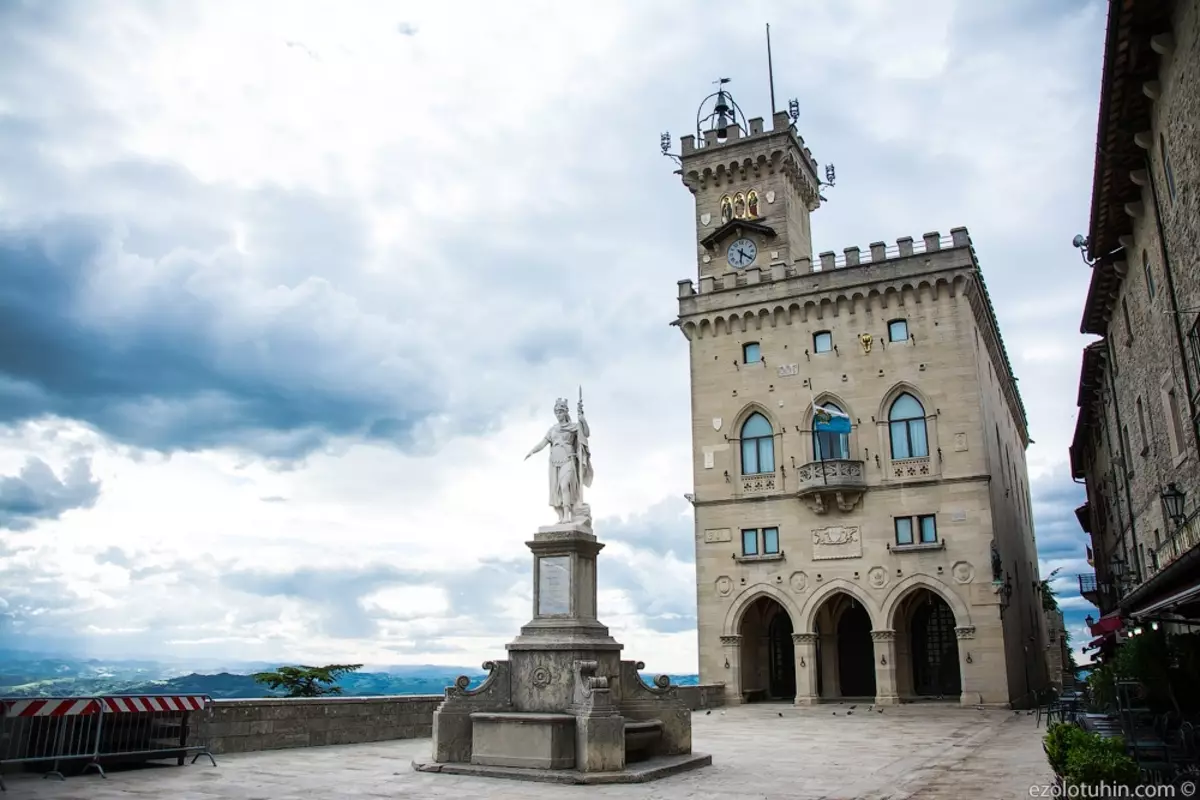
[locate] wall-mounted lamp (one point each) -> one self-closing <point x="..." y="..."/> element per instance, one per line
<point x="1172" y="499"/>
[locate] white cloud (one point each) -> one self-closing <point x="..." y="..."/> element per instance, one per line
<point x="380" y="252"/>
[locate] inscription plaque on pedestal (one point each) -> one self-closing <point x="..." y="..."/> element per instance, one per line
<point x="554" y="585"/>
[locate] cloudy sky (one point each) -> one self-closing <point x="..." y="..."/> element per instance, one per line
<point x="287" y="290"/>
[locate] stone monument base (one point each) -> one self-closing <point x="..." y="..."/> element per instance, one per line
<point x="651" y="769"/>
<point x="565" y="707"/>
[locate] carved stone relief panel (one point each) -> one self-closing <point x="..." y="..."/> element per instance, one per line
<point x="877" y="577"/>
<point x="724" y="586"/>
<point x="963" y="572"/>
<point x="798" y="582"/>
<point x="837" y="541"/>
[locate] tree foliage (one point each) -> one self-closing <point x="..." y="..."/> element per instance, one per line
<point x="304" y="681"/>
<point x="1049" y="598"/>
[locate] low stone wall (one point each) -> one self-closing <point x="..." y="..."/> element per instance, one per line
<point x="706" y="695"/>
<point x="241" y="726"/>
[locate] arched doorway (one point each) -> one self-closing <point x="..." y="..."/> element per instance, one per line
<point x="845" y="653"/>
<point x="768" y="668"/>
<point x="925" y="626"/>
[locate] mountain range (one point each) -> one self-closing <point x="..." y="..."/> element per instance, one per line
<point x="28" y="674"/>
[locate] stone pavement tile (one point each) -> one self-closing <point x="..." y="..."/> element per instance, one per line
<point x="760" y="752"/>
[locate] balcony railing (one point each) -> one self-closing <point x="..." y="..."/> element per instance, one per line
<point x="830" y="475"/>
<point x="1186" y="537"/>
<point x="759" y="483"/>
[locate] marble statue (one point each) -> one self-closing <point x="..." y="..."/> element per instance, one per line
<point x="570" y="463"/>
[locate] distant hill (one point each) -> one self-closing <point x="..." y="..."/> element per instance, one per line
<point x="34" y="675"/>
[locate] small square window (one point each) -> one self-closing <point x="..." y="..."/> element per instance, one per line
<point x="751" y="353"/>
<point x="770" y="541"/>
<point x="928" y="525"/>
<point x="822" y="342"/>
<point x="898" y="330"/>
<point x="750" y="542"/>
<point x="904" y="531"/>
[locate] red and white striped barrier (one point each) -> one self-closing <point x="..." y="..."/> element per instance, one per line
<point x="130" y="704"/>
<point x="52" y="707"/>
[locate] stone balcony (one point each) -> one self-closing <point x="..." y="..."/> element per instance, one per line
<point x="824" y="484"/>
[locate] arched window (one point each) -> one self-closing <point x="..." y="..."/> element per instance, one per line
<point x="906" y="419"/>
<point x="758" y="446"/>
<point x="827" y="445"/>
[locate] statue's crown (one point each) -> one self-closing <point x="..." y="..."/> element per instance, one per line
<point x="561" y="402"/>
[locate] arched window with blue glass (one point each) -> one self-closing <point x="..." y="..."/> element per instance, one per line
<point x="831" y="432"/>
<point x="906" y="421"/>
<point x="758" y="445"/>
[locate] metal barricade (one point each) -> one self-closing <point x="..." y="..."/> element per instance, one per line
<point x="49" y="730"/>
<point x="113" y="728"/>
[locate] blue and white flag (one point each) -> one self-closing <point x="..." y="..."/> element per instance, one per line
<point x="830" y="420"/>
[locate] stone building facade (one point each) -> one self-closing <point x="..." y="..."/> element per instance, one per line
<point x="1137" y="435"/>
<point x="894" y="562"/>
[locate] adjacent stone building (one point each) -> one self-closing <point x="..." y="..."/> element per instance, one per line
<point x="1137" y="441"/>
<point x="890" y="563"/>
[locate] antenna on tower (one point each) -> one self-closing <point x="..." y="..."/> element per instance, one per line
<point x="770" y="69"/>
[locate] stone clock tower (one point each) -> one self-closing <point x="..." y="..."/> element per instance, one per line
<point x="754" y="190"/>
<point x="863" y="524"/>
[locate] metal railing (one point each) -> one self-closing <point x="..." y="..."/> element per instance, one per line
<point x="1185" y="537"/>
<point x="48" y="731"/>
<point x="1088" y="584"/>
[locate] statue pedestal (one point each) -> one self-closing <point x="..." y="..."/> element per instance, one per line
<point x="564" y="707"/>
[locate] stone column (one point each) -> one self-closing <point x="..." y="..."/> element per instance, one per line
<point x="966" y="658"/>
<point x="805" y="645"/>
<point x="732" y="645"/>
<point x="885" y="668"/>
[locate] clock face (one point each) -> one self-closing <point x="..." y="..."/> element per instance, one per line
<point x="742" y="253"/>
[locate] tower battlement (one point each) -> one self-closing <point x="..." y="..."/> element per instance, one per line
<point x="851" y="257"/>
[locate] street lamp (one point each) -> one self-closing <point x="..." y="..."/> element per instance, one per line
<point x="1172" y="499"/>
<point x="1090" y="620"/>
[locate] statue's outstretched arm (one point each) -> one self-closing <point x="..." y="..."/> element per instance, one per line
<point x="539" y="446"/>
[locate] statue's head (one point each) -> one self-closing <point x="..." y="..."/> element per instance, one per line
<point x="562" y="409"/>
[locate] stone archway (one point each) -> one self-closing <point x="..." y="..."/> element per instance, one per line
<point x="927" y="662"/>
<point x="768" y="666"/>
<point x="844" y="647"/>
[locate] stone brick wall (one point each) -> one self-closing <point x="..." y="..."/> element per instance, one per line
<point x="242" y="726"/>
<point x="239" y="726"/>
<point x="706" y="695"/>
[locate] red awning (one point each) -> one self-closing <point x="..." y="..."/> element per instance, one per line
<point x="1107" y="624"/>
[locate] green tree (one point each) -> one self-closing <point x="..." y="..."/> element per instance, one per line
<point x="305" y="681"/>
<point x="1049" y="598"/>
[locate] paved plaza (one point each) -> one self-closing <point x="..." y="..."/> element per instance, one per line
<point x="926" y="752"/>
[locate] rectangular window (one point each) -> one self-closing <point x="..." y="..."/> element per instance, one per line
<point x="928" y="525"/>
<point x="770" y="538"/>
<point x="1167" y="171"/>
<point x="1141" y="415"/>
<point x="750" y="542"/>
<point x="760" y="542"/>
<point x="751" y="353"/>
<point x="1174" y="430"/>
<point x="898" y="331"/>
<point x="1194" y="351"/>
<point x="822" y="342"/>
<point x="904" y="530"/>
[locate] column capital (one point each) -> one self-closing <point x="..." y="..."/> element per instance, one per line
<point x="731" y="641"/>
<point x="883" y="635"/>
<point x="965" y="632"/>
<point x="804" y="638"/>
